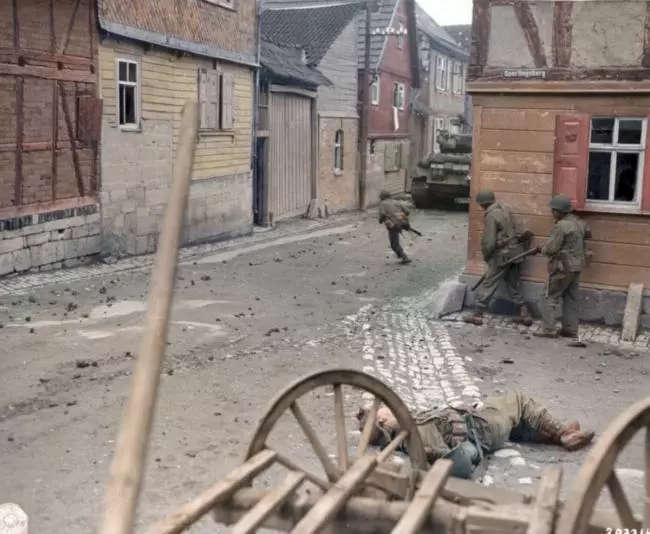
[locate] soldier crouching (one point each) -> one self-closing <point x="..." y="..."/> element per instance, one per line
<point x="394" y="215"/>
<point x="465" y="434"/>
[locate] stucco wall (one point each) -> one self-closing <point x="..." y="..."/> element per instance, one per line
<point x="605" y="34"/>
<point x="137" y="166"/>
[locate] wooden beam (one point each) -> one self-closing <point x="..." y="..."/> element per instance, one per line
<point x="47" y="73"/>
<point x="645" y="61"/>
<point x="542" y="520"/>
<point x="479" y="48"/>
<point x="562" y="34"/>
<point x="71" y="136"/>
<point x="191" y="512"/>
<point x="52" y="27"/>
<point x="557" y="87"/>
<point x="68" y="29"/>
<point x="524" y="14"/>
<point x="20" y="121"/>
<point x="27" y="55"/>
<point x="617" y="74"/>
<point x="16" y="24"/>
<point x="55" y="135"/>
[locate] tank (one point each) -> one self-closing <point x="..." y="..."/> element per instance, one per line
<point x="444" y="177"/>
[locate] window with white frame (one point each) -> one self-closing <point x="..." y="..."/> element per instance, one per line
<point x="616" y="155"/>
<point x="374" y="91"/>
<point x="438" y="126"/>
<point x="399" y="95"/>
<point x="441" y="73"/>
<point x="128" y="93"/>
<point x="400" y="37"/>
<point x="458" y="78"/>
<point x="338" y="151"/>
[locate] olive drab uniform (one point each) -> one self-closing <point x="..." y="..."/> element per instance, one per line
<point x="499" y="244"/>
<point x="394" y="214"/>
<point x="566" y="250"/>
<point x="512" y="416"/>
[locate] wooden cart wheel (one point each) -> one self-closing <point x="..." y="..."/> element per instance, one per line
<point x="598" y="472"/>
<point x="288" y="400"/>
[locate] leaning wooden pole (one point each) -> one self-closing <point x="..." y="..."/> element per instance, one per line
<point x="133" y="440"/>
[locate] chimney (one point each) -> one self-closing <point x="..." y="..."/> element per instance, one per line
<point x="303" y="56"/>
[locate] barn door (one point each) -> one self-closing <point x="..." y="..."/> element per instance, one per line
<point x="290" y="161"/>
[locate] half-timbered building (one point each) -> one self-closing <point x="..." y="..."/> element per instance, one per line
<point x="561" y="97"/>
<point x="49" y="131"/>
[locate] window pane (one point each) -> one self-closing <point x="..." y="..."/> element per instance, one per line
<point x="629" y="132"/>
<point x="133" y="77"/>
<point x="626" y="173"/>
<point x="127" y="104"/>
<point x="602" y="131"/>
<point x="122" y="71"/>
<point x="598" y="181"/>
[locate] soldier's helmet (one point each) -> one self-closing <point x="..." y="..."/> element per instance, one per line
<point x="561" y="203"/>
<point x="462" y="460"/>
<point x="485" y="196"/>
<point x="384" y="195"/>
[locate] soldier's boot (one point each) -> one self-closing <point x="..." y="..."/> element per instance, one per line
<point x="406" y="260"/>
<point x="476" y="318"/>
<point x="544" y="332"/>
<point x="569" y="437"/>
<point x="572" y="426"/>
<point x="563" y="332"/>
<point x="525" y="317"/>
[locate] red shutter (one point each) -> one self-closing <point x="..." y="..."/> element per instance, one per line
<point x="571" y="157"/>
<point x="645" y="191"/>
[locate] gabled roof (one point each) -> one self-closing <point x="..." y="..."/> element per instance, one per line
<point x="382" y="18"/>
<point x="462" y="34"/>
<point x="313" y="28"/>
<point x="438" y="35"/>
<point x="188" y="26"/>
<point x="285" y="65"/>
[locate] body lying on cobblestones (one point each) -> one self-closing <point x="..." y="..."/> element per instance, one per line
<point x="513" y="416"/>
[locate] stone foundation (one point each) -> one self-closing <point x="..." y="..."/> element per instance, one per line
<point x="597" y="306"/>
<point x="137" y="170"/>
<point x="48" y="240"/>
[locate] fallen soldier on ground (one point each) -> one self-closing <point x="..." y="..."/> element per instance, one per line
<point x="465" y="435"/>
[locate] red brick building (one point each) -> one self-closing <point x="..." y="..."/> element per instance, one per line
<point x="394" y="72"/>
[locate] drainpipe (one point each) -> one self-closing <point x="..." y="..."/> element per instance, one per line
<point x="256" y="90"/>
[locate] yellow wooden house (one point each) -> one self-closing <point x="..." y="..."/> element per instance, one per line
<point x="153" y="56"/>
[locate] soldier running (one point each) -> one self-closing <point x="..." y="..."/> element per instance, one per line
<point x="394" y="214"/>
<point x="465" y="435"/>
<point x="566" y="250"/>
<point x="500" y="243"/>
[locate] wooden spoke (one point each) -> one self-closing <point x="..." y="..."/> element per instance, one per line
<point x="292" y="466"/>
<point x="341" y="435"/>
<point x="542" y="520"/>
<point x="330" y="469"/>
<point x="646" y="503"/>
<point x="420" y="507"/>
<point x="268" y="505"/>
<point x="328" y="506"/>
<point x="368" y="428"/>
<point x="620" y="501"/>
<point x="392" y="446"/>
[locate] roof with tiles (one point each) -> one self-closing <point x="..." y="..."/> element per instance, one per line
<point x="187" y="25"/>
<point x="286" y="64"/>
<point x="462" y="34"/>
<point x="382" y="18"/>
<point x="312" y="28"/>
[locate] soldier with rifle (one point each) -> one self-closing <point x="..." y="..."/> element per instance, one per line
<point x="395" y="216"/>
<point x="503" y="249"/>
<point x="567" y="254"/>
<point x="465" y="435"/>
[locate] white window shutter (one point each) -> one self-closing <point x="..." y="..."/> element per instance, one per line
<point x="203" y="97"/>
<point x="213" y="99"/>
<point x="228" y="103"/>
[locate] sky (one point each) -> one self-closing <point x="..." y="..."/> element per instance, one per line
<point x="446" y="12"/>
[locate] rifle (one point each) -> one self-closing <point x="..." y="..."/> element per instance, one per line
<point x="407" y="226"/>
<point x="518" y="257"/>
